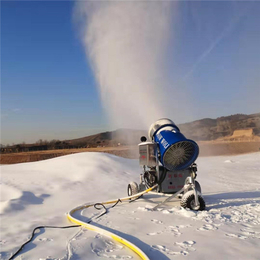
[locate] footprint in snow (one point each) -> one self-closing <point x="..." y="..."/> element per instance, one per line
<point x="184" y="252"/>
<point x="44" y="239"/>
<point x="165" y="211"/>
<point x="186" y="248"/>
<point x="154" y="233"/>
<point x="183" y="226"/>
<point x="229" y="161"/>
<point x="250" y="233"/>
<point x="173" y="230"/>
<point x="247" y="225"/>
<point x="121" y="257"/>
<point x="235" y="236"/>
<point x="164" y="249"/>
<point x="160" y="209"/>
<point x="156" y="221"/>
<point x="207" y="227"/>
<point x="187" y="245"/>
<point x="103" y="247"/>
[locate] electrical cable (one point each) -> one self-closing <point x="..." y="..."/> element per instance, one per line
<point x="162" y="176"/>
<point x="87" y="224"/>
<point x="31" y="238"/>
<point x="72" y="226"/>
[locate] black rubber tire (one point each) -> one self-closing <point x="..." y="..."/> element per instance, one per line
<point x="188" y="200"/>
<point x="132" y="188"/>
<point x="141" y="187"/>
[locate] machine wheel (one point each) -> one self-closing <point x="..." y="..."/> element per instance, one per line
<point x="188" y="201"/>
<point x="142" y="187"/>
<point x="132" y="188"/>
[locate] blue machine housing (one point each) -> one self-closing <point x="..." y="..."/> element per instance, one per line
<point x="176" y="152"/>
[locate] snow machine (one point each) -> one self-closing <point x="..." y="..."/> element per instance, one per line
<point x="168" y="162"/>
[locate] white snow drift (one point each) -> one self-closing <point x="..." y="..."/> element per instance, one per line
<point x="41" y="193"/>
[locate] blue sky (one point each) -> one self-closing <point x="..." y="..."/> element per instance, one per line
<point x="48" y="89"/>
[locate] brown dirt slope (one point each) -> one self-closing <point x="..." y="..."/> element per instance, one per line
<point x="241" y="135"/>
<point x="206" y="149"/>
<point x="245" y="132"/>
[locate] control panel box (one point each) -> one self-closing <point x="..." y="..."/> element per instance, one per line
<point x="148" y="154"/>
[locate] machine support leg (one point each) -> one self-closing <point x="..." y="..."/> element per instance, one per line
<point x="196" y="197"/>
<point x="168" y="199"/>
<point x="194" y="189"/>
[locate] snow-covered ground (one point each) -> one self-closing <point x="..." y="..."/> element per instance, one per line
<point x="40" y="193"/>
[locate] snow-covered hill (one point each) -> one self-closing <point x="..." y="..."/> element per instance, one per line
<point x="41" y="193"/>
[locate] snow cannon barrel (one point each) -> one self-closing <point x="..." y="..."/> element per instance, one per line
<point x="176" y="152"/>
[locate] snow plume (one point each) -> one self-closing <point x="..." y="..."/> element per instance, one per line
<point x="125" y="42"/>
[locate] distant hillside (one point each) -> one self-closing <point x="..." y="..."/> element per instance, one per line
<point x="200" y="130"/>
<point x="206" y="129"/>
<point x="212" y="129"/>
<point x="113" y="138"/>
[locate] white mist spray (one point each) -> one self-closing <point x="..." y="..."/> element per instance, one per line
<point x="125" y="43"/>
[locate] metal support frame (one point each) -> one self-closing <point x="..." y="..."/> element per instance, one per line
<point x="190" y="182"/>
<point x="189" y="185"/>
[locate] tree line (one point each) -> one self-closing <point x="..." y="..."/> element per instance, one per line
<point x="41" y="145"/>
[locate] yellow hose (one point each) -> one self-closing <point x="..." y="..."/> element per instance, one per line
<point x="106" y="233"/>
